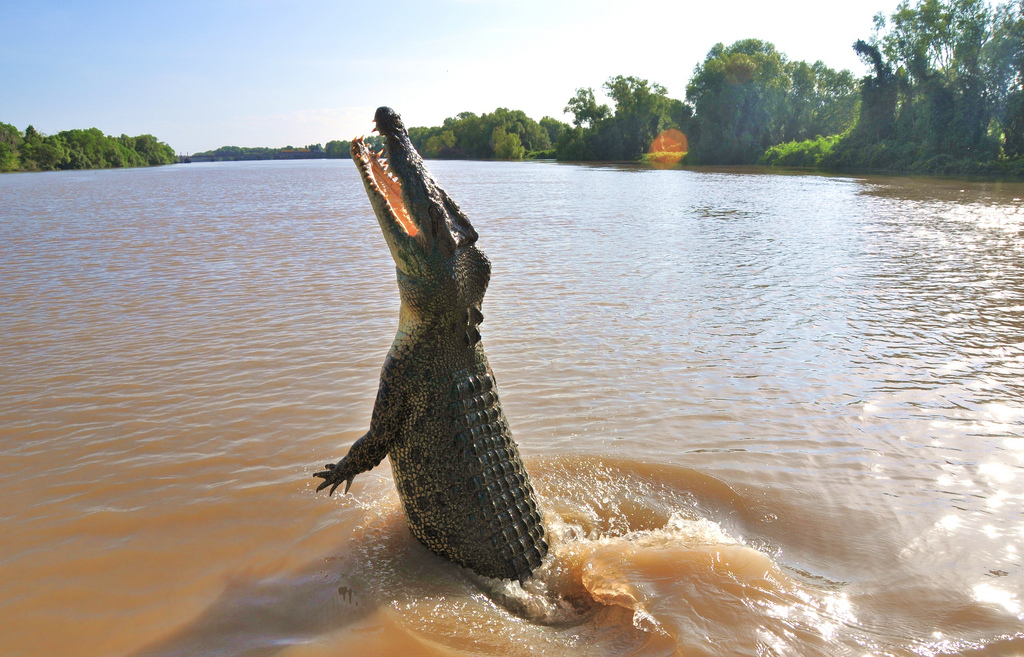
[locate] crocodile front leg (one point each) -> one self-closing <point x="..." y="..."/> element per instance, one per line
<point x="366" y="453"/>
<point x="374" y="445"/>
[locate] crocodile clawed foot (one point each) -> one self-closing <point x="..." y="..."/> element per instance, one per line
<point x="333" y="476"/>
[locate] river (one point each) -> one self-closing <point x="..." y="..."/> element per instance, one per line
<point x="765" y="414"/>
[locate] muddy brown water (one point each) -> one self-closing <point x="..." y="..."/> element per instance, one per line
<point x="766" y="414"/>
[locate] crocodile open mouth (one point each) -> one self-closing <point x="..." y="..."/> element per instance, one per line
<point x="384" y="183"/>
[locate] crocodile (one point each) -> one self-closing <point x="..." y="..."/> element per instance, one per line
<point x="464" y="489"/>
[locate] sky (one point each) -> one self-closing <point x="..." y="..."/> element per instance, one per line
<point x="200" y="75"/>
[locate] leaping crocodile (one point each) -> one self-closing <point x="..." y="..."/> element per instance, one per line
<point x="463" y="486"/>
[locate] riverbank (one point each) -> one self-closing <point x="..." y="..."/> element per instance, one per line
<point x="847" y="153"/>
<point x="78" y="149"/>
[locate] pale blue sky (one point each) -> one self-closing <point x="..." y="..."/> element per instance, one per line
<point x="199" y="75"/>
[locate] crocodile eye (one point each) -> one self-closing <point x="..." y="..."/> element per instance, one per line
<point x="434" y="213"/>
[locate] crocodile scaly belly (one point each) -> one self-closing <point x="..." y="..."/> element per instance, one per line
<point x="479" y="508"/>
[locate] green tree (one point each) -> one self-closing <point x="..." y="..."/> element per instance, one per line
<point x="52" y="153"/>
<point x="1013" y="126"/>
<point x="10" y="141"/>
<point x="338" y="149"/>
<point x="78" y="149"/>
<point x="946" y="93"/>
<point x="585" y="110"/>
<point x="43" y="153"/>
<point x="468" y="135"/>
<point x="938" y="47"/>
<point x="439" y="143"/>
<point x="641" y="112"/>
<point x="31" y="141"/>
<point x="576" y="145"/>
<point x="150" y="150"/>
<point x="472" y="135"/>
<point x="531" y="135"/>
<point x="1003" y="63"/>
<point x="554" y="128"/>
<point x="506" y="145"/>
<point x="879" y="95"/>
<point x="821" y="101"/>
<point x="739" y="94"/>
<point x="87" y="149"/>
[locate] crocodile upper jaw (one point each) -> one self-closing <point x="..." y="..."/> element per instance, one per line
<point x="422" y="225"/>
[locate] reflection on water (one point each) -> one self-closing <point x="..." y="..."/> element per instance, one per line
<point x="766" y="414"/>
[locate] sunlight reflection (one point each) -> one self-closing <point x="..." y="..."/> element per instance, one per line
<point x="997" y="472"/>
<point x="955" y="366"/>
<point x="986" y="593"/>
<point x="1004" y="413"/>
<point x="839" y="608"/>
<point x="996" y="500"/>
<point x="1007" y="219"/>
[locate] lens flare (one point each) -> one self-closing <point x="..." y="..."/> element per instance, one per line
<point x="667" y="149"/>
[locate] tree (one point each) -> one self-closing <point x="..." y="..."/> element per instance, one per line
<point x="506" y="146"/>
<point x="438" y="143"/>
<point x="821" y="101"/>
<point x="468" y="135"/>
<point x="946" y="93"/>
<point x="43" y="153"/>
<point x="151" y="151"/>
<point x="942" y="37"/>
<point x="938" y="47"/>
<point x="574" y="145"/>
<point x="78" y="149"/>
<point x="531" y="135"/>
<point x="338" y="149"/>
<point x="879" y="95"/>
<point x="837" y="97"/>
<point x="739" y="94"/>
<point x="641" y="112"/>
<point x="10" y="140"/>
<point x="1003" y="64"/>
<point x="1013" y="126"/>
<point x="554" y="128"/>
<point x="472" y="135"/>
<point x="585" y="110"/>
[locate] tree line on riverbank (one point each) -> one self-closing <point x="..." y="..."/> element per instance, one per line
<point x="333" y="150"/>
<point x="243" y="153"/>
<point x="945" y="95"/>
<point x="78" y="149"/>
